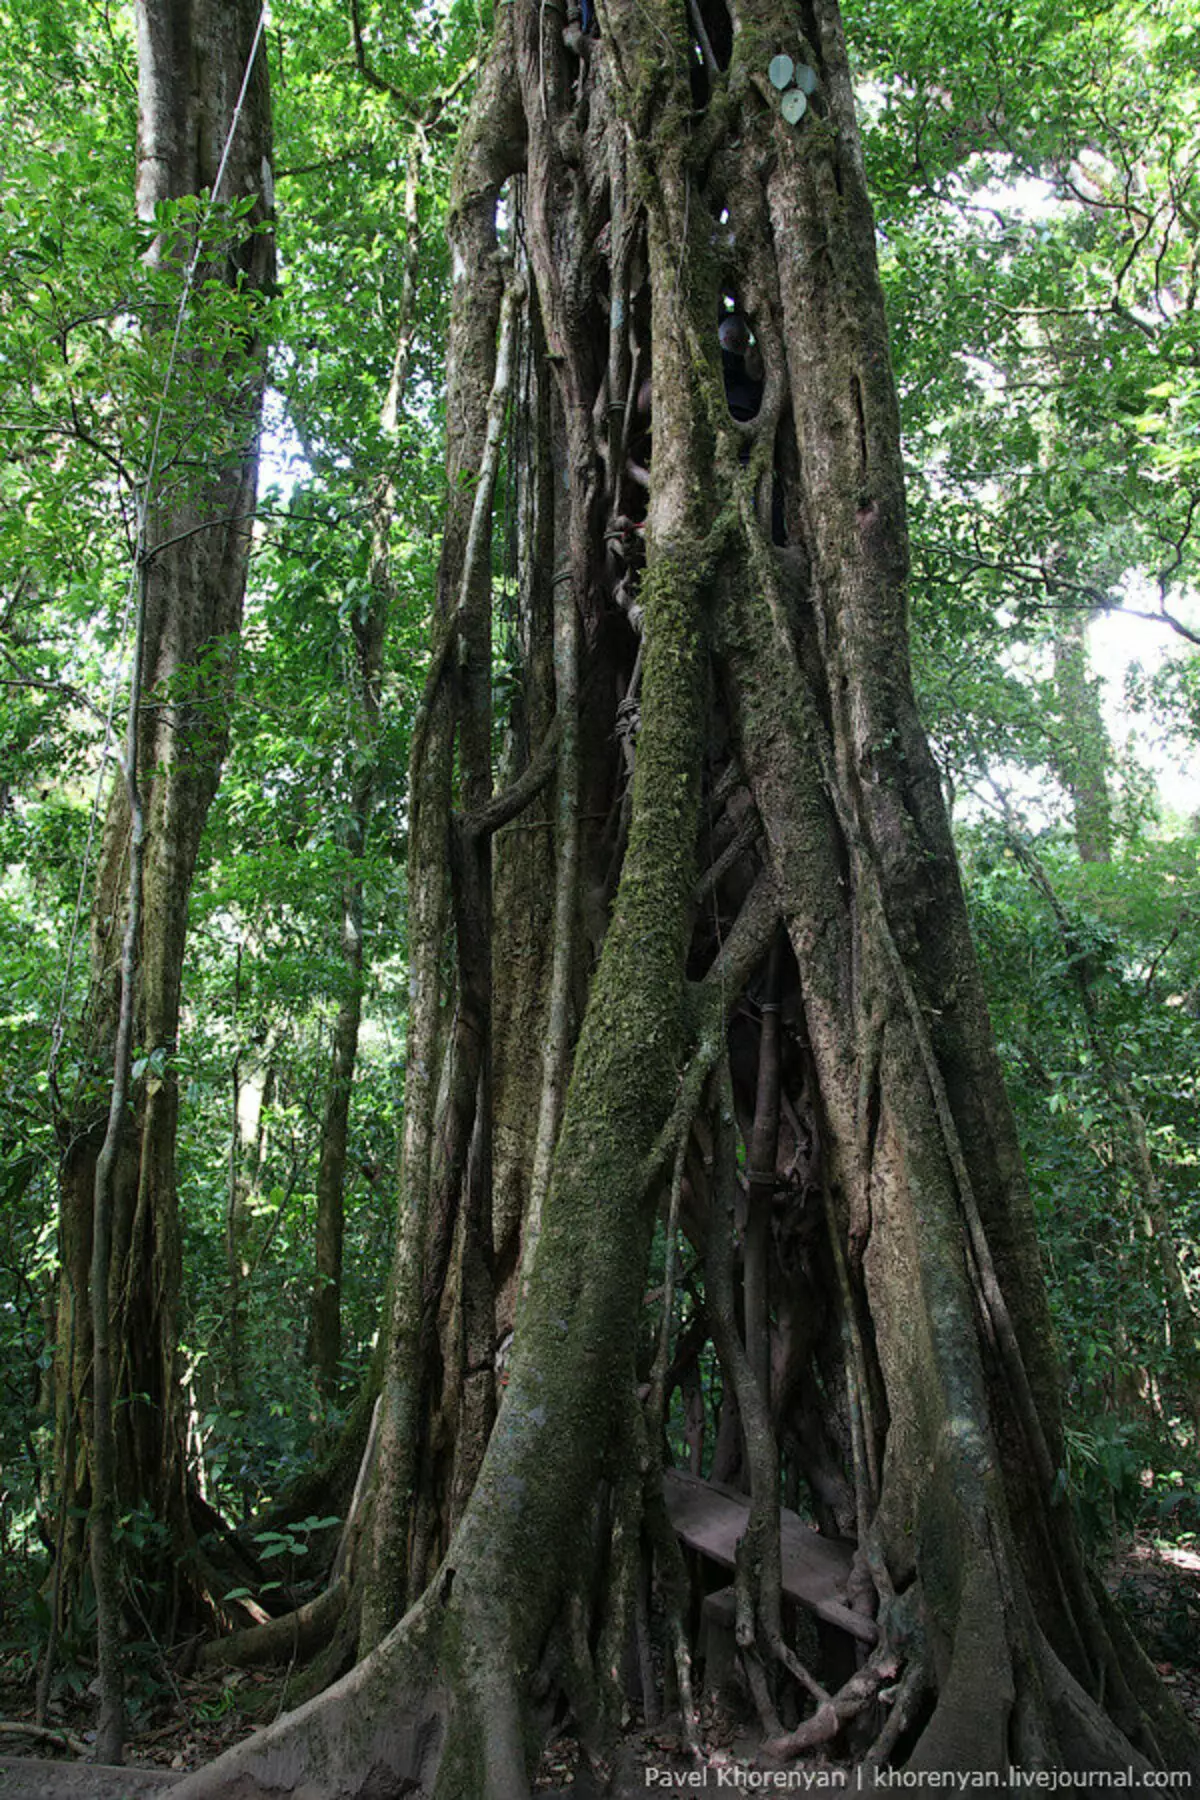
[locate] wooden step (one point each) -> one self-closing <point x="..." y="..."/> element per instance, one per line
<point x="710" y="1518"/>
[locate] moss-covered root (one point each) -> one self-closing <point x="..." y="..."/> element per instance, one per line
<point x="380" y="1731"/>
<point x="971" y="1725"/>
<point x="485" y="1754"/>
<point x="1005" y="1698"/>
<point x="434" y="1709"/>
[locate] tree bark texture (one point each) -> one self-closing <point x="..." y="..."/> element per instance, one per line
<point x="191" y="61"/>
<point x="767" y="944"/>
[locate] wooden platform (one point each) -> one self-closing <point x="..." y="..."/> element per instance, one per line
<point x="710" y="1518"/>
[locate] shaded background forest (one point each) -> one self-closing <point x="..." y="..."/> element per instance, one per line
<point x="1034" y="173"/>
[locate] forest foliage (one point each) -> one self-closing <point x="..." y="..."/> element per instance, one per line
<point x="1034" y="172"/>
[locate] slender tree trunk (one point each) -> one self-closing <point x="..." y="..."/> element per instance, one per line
<point x="1084" y="755"/>
<point x="250" y="1083"/>
<point x="110" y="1733"/>
<point x="195" y="554"/>
<point x="364" y="693"/>
<point x="325" y="1320"/>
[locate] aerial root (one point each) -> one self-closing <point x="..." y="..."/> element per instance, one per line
<point x="681" y="1652"/>
<point x="754" y="1667"/>
<point x="760" y="1690"/>
<point x="673" y="1587"/>
<point x="861" y="1691"/>
<point x="907" y="1700"/>
<point x="796" y="1669"/>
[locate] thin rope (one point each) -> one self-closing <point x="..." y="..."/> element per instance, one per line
<point x="139" y="544"/>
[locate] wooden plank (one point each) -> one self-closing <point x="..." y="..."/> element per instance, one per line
<point x="711" y="1518"/>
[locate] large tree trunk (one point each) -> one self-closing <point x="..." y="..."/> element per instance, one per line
<point x="195" y="552"/>
<point x="743" y="640"/>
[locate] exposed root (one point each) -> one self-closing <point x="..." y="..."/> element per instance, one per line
<point x="756" y="1678"/>
<point x="44" y="1734"/>
<point x="379" y="1731"/>
<point x="861" y="1691"/>
<point x="296" y="1635"/>
<point x="977" y="1691"/>
<point x="906" y="1702"/>
<point x="1087" y="1737"/>
<point x="328" y="1665"/>
<point x="1156" y="1703"/>
<point x="796" y="1669"/>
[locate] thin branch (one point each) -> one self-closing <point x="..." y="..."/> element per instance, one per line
<point x="1152" y="971"/>
<point x="1178" y="544"/>
<point x="14" y="599"/>
<point x="437" y="103"/>
<point x="181" y="537"/>
<point x="83" y="436"/>
<point x="702" y="38"/>
<point x="373" y="79"/>
<point x="748" y="834"/>
<point x="1163" y="617"/>
<point x="1038" y="576"/>
<point x="363" y="148"/>
<point x="425" y="113"/>
<point x="63" y="688"/>
<point x="277" y="1219"/>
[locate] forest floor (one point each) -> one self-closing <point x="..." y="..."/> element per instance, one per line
<point x="199" y="1716"/>
<point x="1158" y="1585"/>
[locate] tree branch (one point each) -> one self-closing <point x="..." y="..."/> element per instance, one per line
<point x="424" y="113"/>
<point x="62" y="688"/>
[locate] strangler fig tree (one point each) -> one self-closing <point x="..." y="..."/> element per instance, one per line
<point x="698" y="943"/>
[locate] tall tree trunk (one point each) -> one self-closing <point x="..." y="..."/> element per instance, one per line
<point x="251" y="1078"/>
<point x="743" y="637"/>
<point x="364" y="693"/>
<point x="1083" y="756"/>
<point x="191" y="63"/>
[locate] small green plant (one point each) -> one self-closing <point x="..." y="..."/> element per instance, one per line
<point x="1104" y="1475"/>
<point x="295" y="1542"/>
